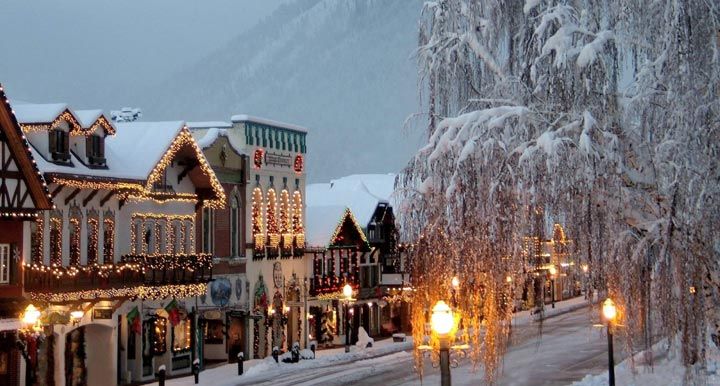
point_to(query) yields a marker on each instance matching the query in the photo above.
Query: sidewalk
(561, 307)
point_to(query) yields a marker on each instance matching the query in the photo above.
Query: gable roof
(32, 117)
(362, 193)
(93, 119)
(23, 157)
(322, 223)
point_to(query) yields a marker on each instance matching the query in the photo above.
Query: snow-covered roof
(131, 153)
(321, 223)
(362, 193)
(269, 122)
(209, 124)
(207, 138)
(38, 113)
(87, 117)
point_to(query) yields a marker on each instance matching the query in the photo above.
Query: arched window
(257, 219)
(208, 226)
(36, 239)
(93, 233)
(273, 230)
(108, 237)
(234, 239)
(56, 229)
(75, 236)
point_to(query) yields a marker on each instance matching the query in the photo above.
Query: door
(236, 337)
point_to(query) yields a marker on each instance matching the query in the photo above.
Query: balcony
(113, 280)
(330, 283)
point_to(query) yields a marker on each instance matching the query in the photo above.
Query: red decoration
(258, 158)
(298, 166)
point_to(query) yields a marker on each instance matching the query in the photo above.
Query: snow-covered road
(567, 348)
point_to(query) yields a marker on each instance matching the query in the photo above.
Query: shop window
(181, 336)
(156, 336)
(214, 332)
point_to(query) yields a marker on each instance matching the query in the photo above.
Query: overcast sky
(73, 51)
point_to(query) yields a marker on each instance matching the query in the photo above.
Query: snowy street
(568, 348)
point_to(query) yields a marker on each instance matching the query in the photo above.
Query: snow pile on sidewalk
(259, 370)
(667, 370)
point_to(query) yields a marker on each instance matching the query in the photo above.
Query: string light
(297, 220)
(75, 218)
(285, 220)
(348, 215)
(272, 223)
(257, 221)
(108, 237)
(65, 116)
(37, 242)
(102, 122)
(183, 140)
(93, 234)
(56, 239)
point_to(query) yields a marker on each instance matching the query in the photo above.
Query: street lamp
(347, 292)
(610, 313)
(553, 272)
(442, 322)
(31, 319)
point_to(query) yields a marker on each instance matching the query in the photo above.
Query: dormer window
(59, 145)
(95, 149)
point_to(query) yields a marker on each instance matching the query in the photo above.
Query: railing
(132, 270)
(330, 283)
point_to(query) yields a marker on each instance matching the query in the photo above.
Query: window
(108, 237)
(56, 220)
(207, 230)
(234, 227)
(75, 219)
(93, 231)
(181, 336)
(95, 150)
(36, 240)
(5, 263)
(59, 145)
(214, 332)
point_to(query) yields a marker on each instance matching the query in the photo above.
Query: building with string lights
(112, 266)
(23, 196)
(380, 263)
(260, 285)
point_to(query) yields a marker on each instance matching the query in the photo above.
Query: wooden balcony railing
(130, 271)
(331, 283)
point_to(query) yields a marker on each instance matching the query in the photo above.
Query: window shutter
(88, 146)
(53, 139)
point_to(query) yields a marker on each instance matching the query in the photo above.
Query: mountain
(344, 69)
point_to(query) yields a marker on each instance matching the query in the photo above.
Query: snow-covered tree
(604, 114)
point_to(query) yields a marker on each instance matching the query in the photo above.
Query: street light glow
(442, 318)
(347, 291)
(455, 282)
(31, 315)
(609, 310)
(552, 270)
(77, 314)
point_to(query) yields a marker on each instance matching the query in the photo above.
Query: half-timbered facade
(23, 193)
(115, 261)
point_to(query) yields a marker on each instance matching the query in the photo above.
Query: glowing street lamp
(455, 282)
(442, 322)
(31, 315)
(609, 312)
(553, 272)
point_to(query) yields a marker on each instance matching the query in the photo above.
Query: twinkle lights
(272, 223)
(103, 123)
(257, 219)
(258, 158)
(140, 292)
(56, 239)
(93, 233)
(108, 237)
(185, 140)
(75, 218)
(65, 116)
(36, 240)
(285, 219)
(348, 216)
(297, 220)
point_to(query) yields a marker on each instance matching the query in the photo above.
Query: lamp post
(553, 272)
(610, 313)
(442, 322)
(30, 319)
(347, 292)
